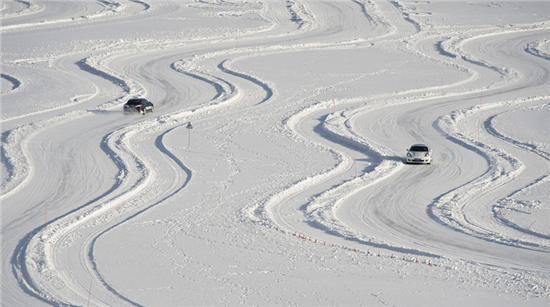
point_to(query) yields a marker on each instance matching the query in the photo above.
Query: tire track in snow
(336, 134)
(493, 178)
(303, 186)
(226, 94)
(13, 150)
(71, 222)
(177, 187)
(37, 265)
(269, 209)
(248, 78)
(498, 174)
(178, 118)
(463, 209)
(116, 146)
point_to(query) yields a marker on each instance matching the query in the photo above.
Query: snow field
(302, 111)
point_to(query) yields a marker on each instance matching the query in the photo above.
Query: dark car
(140, 105)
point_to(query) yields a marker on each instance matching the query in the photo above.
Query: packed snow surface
(291, 188)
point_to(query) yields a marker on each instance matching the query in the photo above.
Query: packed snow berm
(291, 188)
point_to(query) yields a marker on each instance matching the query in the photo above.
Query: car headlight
(409, 154)
(427, 154)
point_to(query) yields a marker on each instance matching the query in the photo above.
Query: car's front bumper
(418, 161)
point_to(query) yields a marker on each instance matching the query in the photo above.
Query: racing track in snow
(404, 206)
(411, 212)
(108, 205)
(390, 205)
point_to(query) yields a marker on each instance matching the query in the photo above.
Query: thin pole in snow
(90, 292)
(527, 229)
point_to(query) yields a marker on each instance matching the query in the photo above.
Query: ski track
(36, 266)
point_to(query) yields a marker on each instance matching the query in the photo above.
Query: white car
(419, 153)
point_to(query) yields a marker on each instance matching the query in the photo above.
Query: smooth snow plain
(291, 188)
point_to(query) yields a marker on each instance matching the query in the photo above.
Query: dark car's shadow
(106, 112)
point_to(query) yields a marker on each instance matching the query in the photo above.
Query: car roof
(419, 145)
(136, 101)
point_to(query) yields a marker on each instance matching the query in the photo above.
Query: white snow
(291, 188)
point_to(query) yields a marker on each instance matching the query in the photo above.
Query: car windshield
(419, 148)
(134, 102)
